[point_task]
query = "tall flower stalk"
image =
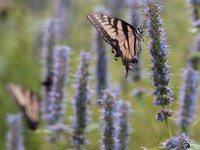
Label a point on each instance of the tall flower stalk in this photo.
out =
(55, 75)
(158, 56)
(49, 41)
(56, 106)
(101, 60)
(14, 135)
(55, 101)
(109, 121)
(188, 96)
(123, 126)
(81, 101)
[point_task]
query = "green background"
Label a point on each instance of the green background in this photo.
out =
(21, 62)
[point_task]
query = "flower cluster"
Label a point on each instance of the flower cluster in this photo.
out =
(188, 96)
(158, 53)
(81, 101)
(56, 103)
(49, 41)
(163, 115)
(101, 60)
(109, 121)
(177, 143)
(14, 135)
(55, 76)
(123, 127)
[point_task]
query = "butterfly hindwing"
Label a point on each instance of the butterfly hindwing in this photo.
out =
(28, 103)
(124, 38)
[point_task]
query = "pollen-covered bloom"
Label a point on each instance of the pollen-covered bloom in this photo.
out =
(163, 115)
(158, 53)
(123, 130)
(177, 143)
(14, 135)
(81, 101)
(188, 97)
(109, 118)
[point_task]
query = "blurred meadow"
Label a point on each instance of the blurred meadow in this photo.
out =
(21, 41)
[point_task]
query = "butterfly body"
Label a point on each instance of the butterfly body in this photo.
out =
(124, 39)
(28, 103)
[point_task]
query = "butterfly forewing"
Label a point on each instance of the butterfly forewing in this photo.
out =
(28, 103)
(114, 30)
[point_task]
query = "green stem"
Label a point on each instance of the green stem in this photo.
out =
(184, 129)
(169, 129)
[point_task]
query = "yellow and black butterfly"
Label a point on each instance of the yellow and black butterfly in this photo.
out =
(28, 102)
(123, 37)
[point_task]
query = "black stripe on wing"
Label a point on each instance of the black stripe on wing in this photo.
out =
(123, 37)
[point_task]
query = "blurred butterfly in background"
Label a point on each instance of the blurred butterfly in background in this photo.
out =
(123, 37)
(28, 102)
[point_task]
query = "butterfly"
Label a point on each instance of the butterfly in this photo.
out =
(124, 39)
(28, 102)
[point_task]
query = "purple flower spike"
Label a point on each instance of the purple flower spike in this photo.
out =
(177, 143)
(124, 126)
(14, 135)
(109, 120)
(50, 40)
(55, 104)
(81, 101)
(188, 97)
(158, 53)
(101, 60)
